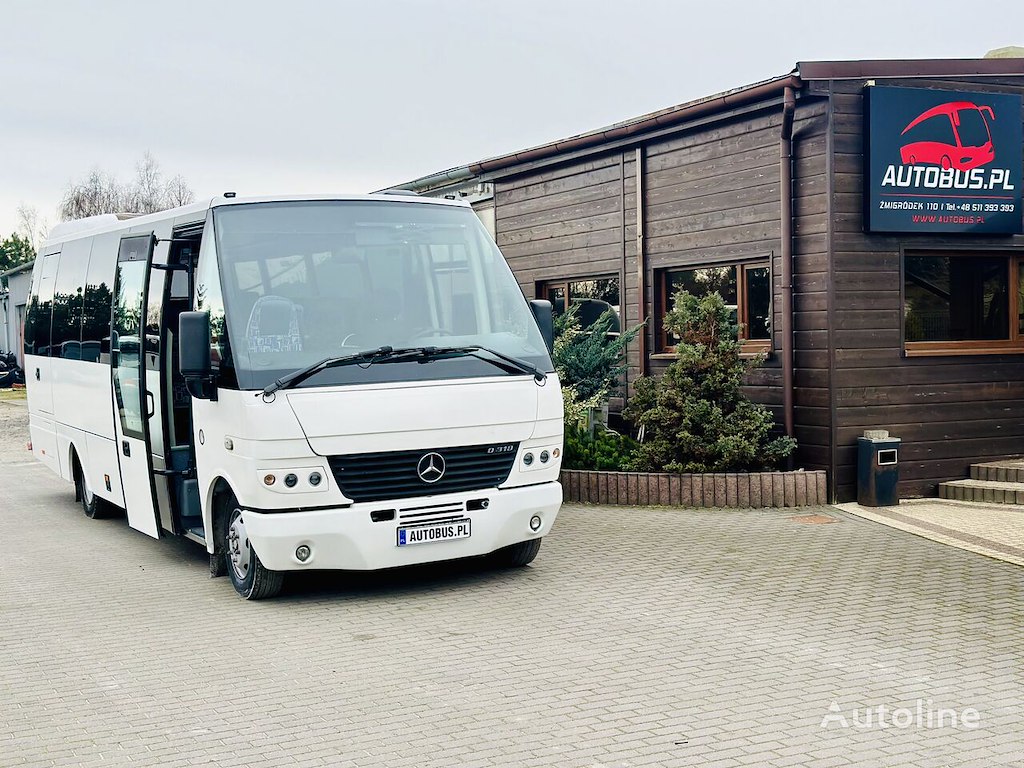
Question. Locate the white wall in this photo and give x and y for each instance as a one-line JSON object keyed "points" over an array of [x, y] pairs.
{"points": [[18, 287]]}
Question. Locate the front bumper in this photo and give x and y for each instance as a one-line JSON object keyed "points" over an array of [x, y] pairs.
{"points": [[347, 539]]}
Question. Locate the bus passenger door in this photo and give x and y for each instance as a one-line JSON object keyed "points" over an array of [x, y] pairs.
{"points": [[128, 374]]}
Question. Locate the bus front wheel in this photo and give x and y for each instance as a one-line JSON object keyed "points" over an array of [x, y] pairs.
{"points": [[94, 507], [517, 555], [250, 578]]}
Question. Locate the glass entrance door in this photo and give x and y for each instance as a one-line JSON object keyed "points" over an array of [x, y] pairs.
{"points": [[128, 374]]}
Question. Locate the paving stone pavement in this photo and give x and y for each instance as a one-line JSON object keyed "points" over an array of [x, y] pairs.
{"points": [[994, 530], [637, 638]]}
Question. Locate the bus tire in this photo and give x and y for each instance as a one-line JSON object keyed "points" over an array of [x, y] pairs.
{"points": [[94, 507], [517, 555], [250, 578]]}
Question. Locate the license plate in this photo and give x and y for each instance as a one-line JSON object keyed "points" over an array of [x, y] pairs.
{"points": [[426, 534]]}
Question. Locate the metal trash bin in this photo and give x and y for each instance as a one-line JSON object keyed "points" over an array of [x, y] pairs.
{"points": [[878, 469]]}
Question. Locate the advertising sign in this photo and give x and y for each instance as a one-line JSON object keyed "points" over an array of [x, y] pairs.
{"points": [[943, 161]]}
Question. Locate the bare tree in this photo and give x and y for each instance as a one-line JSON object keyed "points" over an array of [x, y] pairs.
{"points": [[95, 194], [177, 192], [100, 193], [148, 189], [30, 226]]}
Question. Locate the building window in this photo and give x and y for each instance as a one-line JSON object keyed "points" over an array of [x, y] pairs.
{"points": [[746, 289], [957, 303], [593, 295]]}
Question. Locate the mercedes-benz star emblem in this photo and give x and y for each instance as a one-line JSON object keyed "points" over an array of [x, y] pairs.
{"points": [[431, 467]]}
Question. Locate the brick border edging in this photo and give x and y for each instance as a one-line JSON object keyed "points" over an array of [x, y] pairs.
{"points": [[731, 489]]}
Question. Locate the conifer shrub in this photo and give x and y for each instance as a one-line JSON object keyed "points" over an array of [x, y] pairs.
{"points": [[590, 360], [694, 418]]}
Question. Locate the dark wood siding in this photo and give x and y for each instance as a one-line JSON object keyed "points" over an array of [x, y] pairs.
{"points": [[573, 220], [950, 411], [812, 341], [711, 195]]}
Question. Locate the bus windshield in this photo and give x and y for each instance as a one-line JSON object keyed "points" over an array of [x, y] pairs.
{"points": [[310, 280], [973, 129]]}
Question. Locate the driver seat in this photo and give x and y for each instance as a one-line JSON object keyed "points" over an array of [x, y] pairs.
{"points": [[275, 325]]}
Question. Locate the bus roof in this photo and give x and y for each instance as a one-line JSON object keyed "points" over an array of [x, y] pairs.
{"points": [[111, 222], [942, 109]]}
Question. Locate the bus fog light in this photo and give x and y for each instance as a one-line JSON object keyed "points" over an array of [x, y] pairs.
{"points": [[302, 553], [315, 478], [536, 523], [269, 479], [290, 480], [528, 459], [544, 456]]}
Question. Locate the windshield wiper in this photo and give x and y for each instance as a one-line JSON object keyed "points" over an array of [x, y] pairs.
{"points": [[503, 360], [366, 357], [390, 355]]}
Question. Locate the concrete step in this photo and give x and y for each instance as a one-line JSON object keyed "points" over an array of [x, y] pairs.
{"points": [[1003, 471], [989, 491]]}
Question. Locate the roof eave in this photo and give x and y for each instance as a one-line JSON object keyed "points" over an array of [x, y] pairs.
{"points": [[635, 126], [18, 269], [888, 68], [808, 70]]}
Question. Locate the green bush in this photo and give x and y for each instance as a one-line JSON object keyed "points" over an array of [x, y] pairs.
{"points": [[603, 450], [694, 418], [588, 359]]}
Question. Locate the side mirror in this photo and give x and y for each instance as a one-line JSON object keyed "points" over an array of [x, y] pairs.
{"points": [[194, 354], [544, 314]]}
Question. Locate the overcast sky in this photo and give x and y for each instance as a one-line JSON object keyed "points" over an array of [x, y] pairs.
{"points": [[303, 96]]}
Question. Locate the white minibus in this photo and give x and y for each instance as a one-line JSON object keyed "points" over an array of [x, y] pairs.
{"points": [[348, 382]]}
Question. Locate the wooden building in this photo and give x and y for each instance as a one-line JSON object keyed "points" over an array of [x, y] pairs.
{"points": [[910, 318]]}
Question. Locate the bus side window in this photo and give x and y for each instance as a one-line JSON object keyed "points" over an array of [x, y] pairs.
{"points": [[40, 314], [210, 298], [66, 328], [32, 316], [99, 298]]}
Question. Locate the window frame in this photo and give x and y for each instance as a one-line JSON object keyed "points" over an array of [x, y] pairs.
{"points": [[542, 287], [748, 347], [1013, 345]]}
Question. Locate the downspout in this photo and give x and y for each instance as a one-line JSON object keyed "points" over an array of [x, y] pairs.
{"points": [[641, 261], [786, 195]]}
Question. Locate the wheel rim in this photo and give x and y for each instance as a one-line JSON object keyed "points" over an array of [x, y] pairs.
{"points": [[238, 547]]}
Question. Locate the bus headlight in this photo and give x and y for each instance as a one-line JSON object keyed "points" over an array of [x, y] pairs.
{"points": [[540, 457], [289, 479]]}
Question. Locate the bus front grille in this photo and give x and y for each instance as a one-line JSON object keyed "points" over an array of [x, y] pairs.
{"points": [[400, 474]]}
